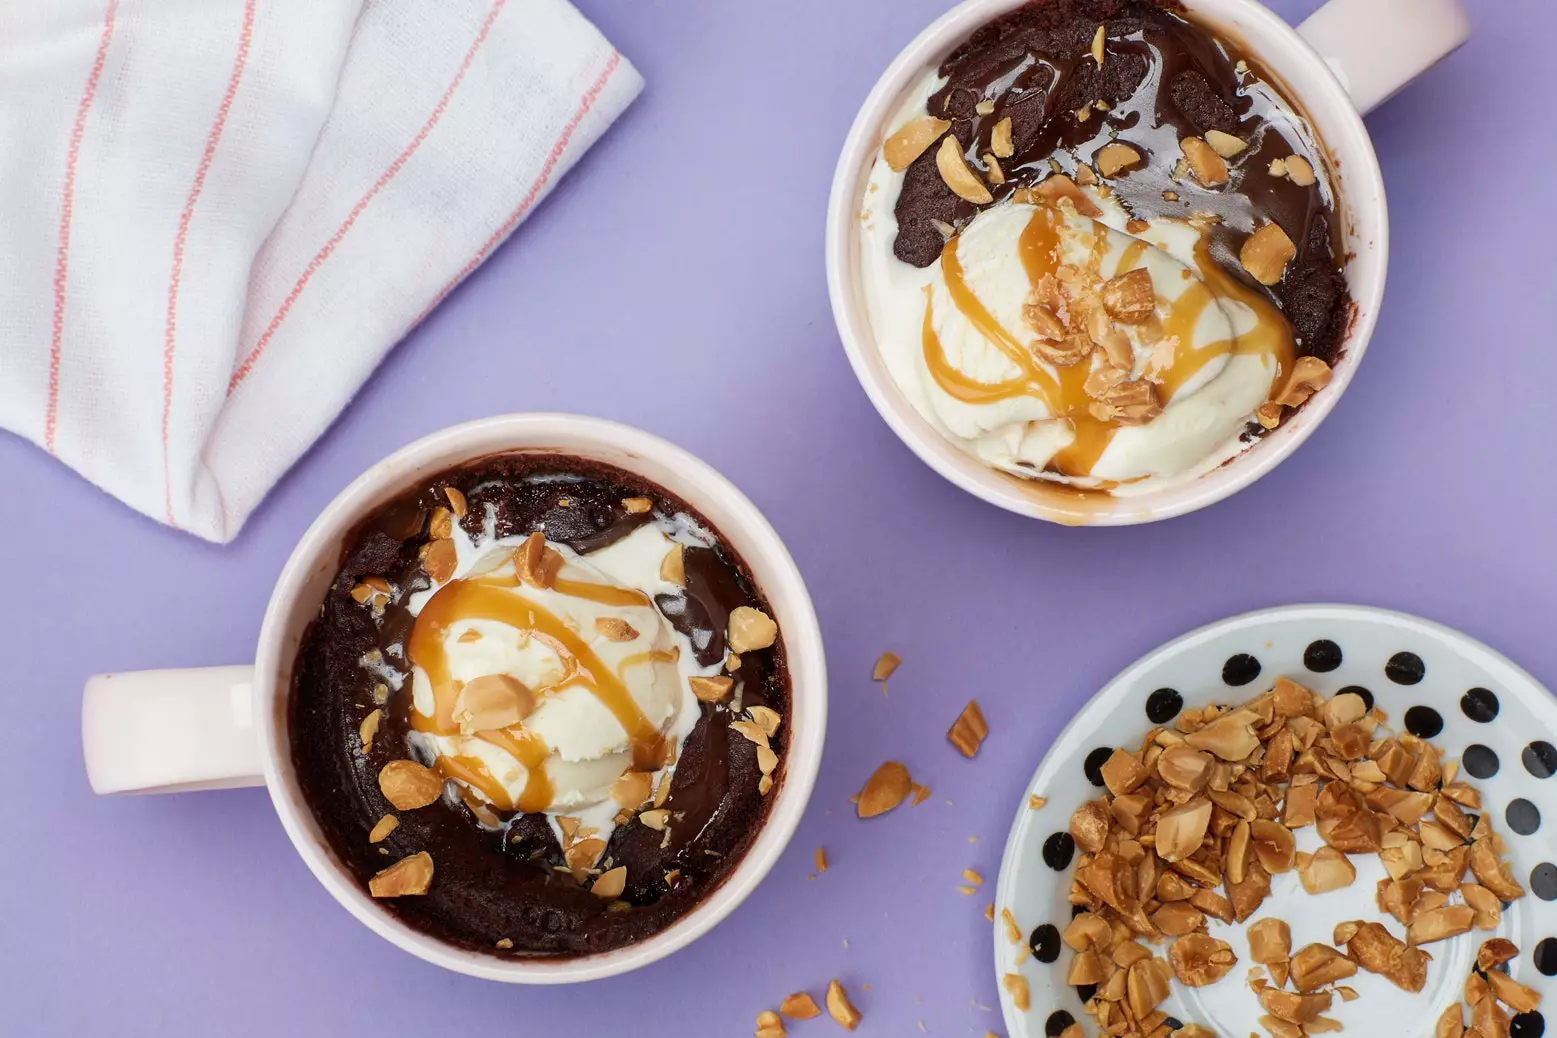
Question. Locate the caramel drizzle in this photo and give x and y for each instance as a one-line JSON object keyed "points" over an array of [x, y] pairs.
{"points": [[1065, 394], [488, 598]]}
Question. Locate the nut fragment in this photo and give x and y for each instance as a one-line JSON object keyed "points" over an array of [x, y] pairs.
{"points": [[911, 139], [1204, 162], [613, 629], [1309, 376], [799, 1006], [1199, 959], [1184, 767], [1439, 923], [1225, 144], [537, 564], [1495, 952], [456, 501], [1128, 403], [368, 729], [1178, 918], [1511, 993], [637, 505], [405, 878], [1114, 158], [441, 524], [1270, 940], [1122, 773], [1089, 826], [1130, 297], [885, 789], [1146, 985], [673, 567], [964, 183], [1273, 845], [969, 730], [491, 702], [610, 884], [1484, 903], [1492, 872], [382, 828], [581, 855], [1319, 965], [768, 719], [1057, 187], [1376, 950], [1098, 53], [1047, 326], [1231, 736], [886, 664], [1295, 1009], [1000, 139], [408, 785], [1266, 253], [839, 1006], [711, 690], [1180, 830], [439, 559], [769, 1025], [1300, 171], [632, 788], [750, 629], [1325, 870]]}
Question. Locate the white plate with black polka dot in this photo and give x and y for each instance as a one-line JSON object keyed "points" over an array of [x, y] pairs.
{"points": [[1478, 707]]}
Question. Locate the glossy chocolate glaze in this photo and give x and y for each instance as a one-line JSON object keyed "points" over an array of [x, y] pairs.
{"points": [[1162, 79], [488, 886]]}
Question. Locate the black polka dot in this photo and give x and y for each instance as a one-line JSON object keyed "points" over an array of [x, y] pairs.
{"points": [[1527, 1025], [1543, 881], [1057, 1022], [1086, 991], [1405, 668], [1093, 765], [1240, 669], [1322, 656], [1358, 690], [1045, 943], [1058, 850], [1163, 705], [1546, 957], [1480, 705], [1522, 816], [1540, 759], [1172, 1023], [1423, 722], [1480, 761]]}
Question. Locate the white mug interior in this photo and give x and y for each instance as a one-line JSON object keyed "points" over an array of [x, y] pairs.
{"points": [[316, 560], [1304, 78]]}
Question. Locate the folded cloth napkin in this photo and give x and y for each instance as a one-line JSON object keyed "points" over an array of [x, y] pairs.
{"points": [[217, 216]]}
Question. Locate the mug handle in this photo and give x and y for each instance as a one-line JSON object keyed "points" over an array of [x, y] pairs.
{"points": [[170, 731], [1376, 47]]}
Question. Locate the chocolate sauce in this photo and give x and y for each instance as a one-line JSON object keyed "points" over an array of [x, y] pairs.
{"points": [[1162, 79], [512, 885]]}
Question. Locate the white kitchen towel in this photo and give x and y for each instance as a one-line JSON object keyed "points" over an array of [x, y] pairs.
{"points": [[217, 216]]}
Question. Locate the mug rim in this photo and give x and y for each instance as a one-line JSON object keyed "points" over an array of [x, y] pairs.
{"points": [[773, 569], [1306, 77]]}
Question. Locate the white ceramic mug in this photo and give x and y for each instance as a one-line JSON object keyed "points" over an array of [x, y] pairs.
{"points": [[223, 727], [1351, 56]]}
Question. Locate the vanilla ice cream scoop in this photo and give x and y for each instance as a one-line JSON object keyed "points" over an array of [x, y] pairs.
{"points": [[1051, 341], [539, 679]]}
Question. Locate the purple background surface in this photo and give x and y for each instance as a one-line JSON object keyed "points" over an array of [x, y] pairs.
{"points": [[675, 281]]}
